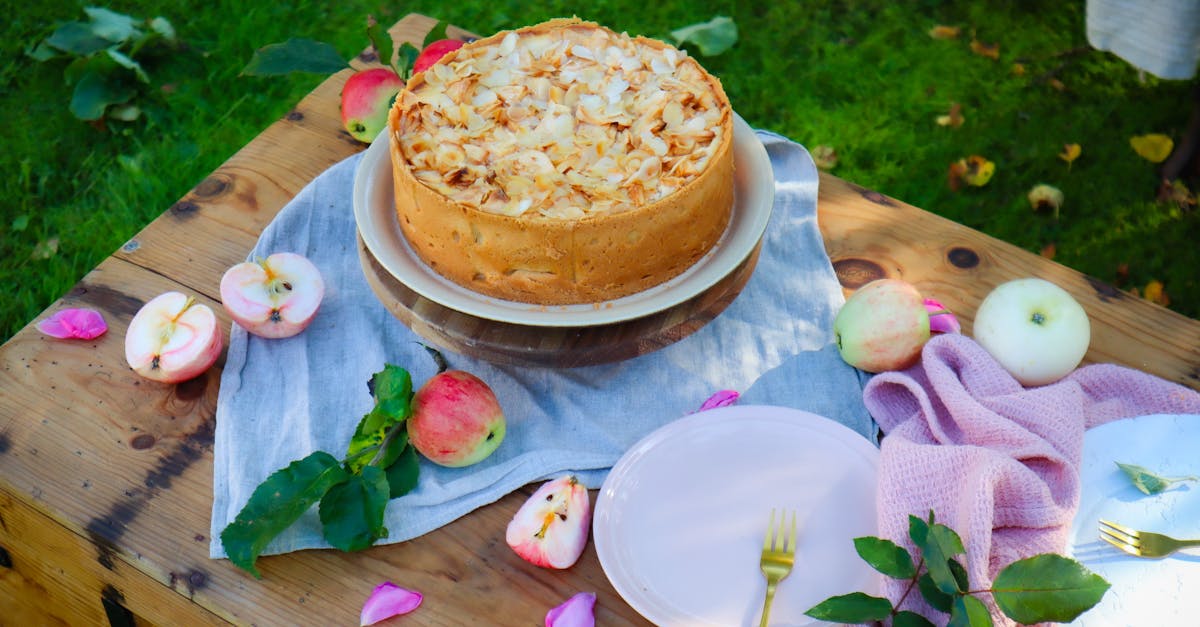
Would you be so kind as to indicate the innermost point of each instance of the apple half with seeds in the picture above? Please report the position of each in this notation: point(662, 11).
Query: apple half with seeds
point(173, 338)
point(551, 528)
point(273, 297)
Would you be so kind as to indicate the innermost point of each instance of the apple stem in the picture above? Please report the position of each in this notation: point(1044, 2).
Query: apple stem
point(438, 358)
point(387, 441)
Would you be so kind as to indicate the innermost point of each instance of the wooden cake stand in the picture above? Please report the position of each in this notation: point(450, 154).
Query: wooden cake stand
point(552, 347)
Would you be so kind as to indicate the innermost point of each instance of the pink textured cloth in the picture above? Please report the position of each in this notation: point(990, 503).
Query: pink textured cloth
point(997, 462)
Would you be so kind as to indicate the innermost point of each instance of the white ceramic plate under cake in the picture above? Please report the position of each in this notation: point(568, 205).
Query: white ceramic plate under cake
point(374, 213)
point(1144, 591)
point(680, 521)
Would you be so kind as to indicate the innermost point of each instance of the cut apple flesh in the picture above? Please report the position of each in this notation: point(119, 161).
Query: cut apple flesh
point(275, 297)
point(172, 338)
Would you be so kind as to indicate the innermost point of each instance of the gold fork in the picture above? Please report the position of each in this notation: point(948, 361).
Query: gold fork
point(1141, 543)
point(778, 556)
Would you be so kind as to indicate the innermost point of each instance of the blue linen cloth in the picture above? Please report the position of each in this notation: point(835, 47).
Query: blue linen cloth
point(280, 400)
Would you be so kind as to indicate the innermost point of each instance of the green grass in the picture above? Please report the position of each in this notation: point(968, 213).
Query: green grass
point(862, 77)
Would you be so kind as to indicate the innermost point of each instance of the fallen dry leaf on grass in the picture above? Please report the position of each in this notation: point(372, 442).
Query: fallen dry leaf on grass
point(1178, 193)
point(1018, 69)
point(953, 119)
point(1156, 293)
point(991, 51)
point(1070, 153)
point(975, 171)
point(1045, 197)
point(825, 157)
point(945, 32)
point(1153, 147)
point(1048, 251)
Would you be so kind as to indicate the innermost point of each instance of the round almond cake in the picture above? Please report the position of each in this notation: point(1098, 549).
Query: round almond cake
point(562, 163)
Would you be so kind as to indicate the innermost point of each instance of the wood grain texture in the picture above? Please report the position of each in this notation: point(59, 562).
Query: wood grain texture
point(106, 478)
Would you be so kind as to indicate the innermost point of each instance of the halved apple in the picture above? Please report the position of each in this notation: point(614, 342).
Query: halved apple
point(172, 338)
point(273, 297)
point(551, 528)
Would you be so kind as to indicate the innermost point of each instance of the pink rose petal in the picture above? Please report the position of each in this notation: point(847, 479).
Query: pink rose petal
point(83, 324)
point(388, 600)
point(940, 318)
point(576, 612)
point(720, 399)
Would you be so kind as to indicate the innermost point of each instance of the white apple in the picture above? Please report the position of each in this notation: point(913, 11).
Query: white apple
point(1034, 328)
point(172, 338)
point(273, 297)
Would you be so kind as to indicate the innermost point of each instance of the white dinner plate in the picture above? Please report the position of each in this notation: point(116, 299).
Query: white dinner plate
point(680, 521)
point(375, 216)
point(1144, 591)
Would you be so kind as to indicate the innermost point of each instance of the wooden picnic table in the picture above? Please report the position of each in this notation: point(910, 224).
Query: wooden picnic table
point(106, 478)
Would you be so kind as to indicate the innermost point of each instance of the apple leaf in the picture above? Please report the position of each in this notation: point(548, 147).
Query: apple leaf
point(1143, 478)
point(712, 37)
point(856, 607)
point(886, 557)
point(1047, 588)
point(1153, 147)
point(382, 41)
point(392, 389)
point(436, 33)
point(276, 503)
point(402, 473)
point(936, 598)
point(969, 611)
point(910, 619)
point(938, 544)
point(295, 55)
point(352, 511)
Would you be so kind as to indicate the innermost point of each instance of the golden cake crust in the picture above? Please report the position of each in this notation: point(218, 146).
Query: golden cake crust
point(539, 255)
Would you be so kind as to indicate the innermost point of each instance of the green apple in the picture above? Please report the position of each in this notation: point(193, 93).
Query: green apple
point(882, 326)
point(1034, 328)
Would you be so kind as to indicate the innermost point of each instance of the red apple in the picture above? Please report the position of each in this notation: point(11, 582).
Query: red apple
point(273, 297)
point(882, 326)
point(456, 420)
point(551, 528)
point(172, 338)
point(366, 99)
point(434, 53)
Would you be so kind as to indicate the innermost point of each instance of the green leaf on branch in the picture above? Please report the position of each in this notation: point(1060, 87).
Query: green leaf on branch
point(403, 472)
point(938, 544)
point(886, 557)
point(712, 37)
point(392, 389)
point(910, 619)
point(1148, 482)
point(936, 598)
point(1047, 587)
point(276, 503)
point(382, 42)
point(436, 33)
point(856, 607)
point(352, 511)
point(295, 55)
point(969, 611)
